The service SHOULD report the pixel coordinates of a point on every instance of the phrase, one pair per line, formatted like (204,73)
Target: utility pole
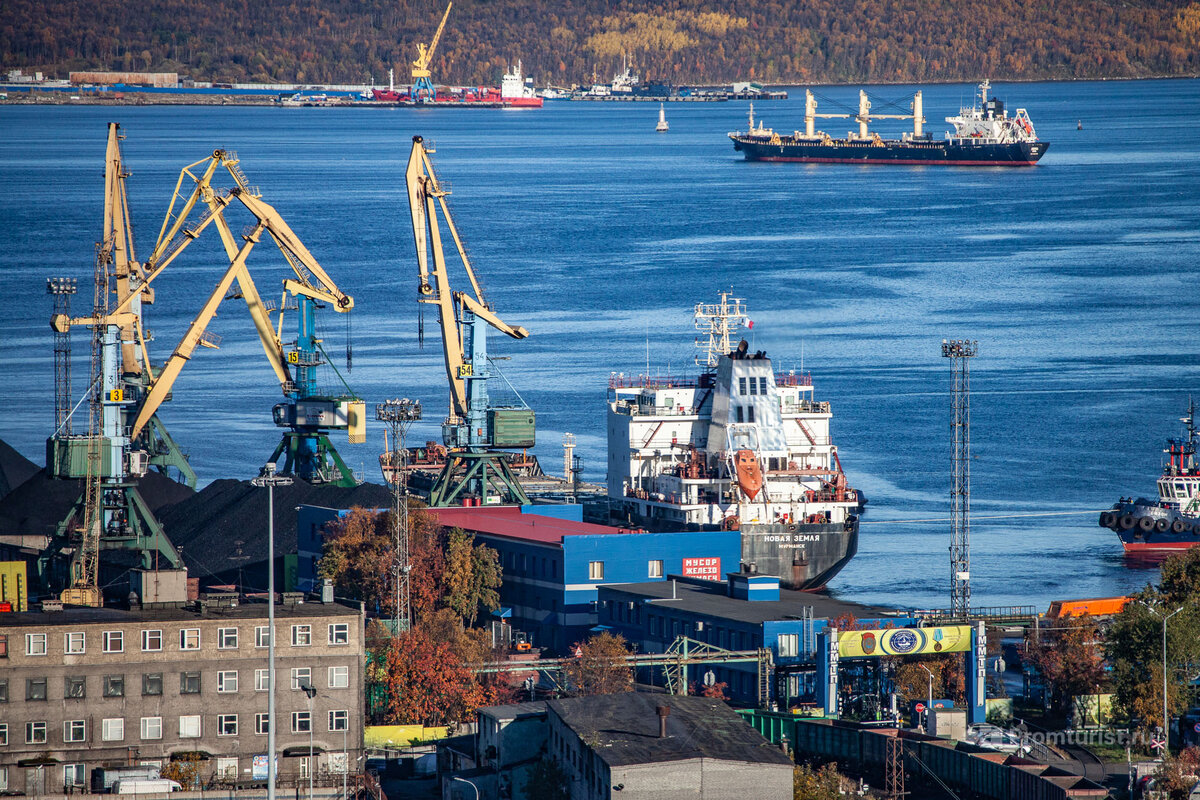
(399,415)
(269,479)
(960,352)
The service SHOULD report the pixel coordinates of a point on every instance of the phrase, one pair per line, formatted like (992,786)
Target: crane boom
(425,54)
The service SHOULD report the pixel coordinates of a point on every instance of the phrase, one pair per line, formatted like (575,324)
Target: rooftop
(622,729)
(709,598)
(535,708)
(190,612)
(508,521)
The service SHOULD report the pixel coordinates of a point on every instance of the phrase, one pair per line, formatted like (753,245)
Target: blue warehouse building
(745,612)
(554,566)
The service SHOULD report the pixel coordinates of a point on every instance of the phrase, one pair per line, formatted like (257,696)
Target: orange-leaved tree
(599,667)
(428,682)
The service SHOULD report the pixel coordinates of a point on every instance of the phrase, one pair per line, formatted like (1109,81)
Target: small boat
(662,126)
(1172,522)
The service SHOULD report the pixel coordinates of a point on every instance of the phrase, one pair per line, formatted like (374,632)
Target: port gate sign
(707,568)
(905,641)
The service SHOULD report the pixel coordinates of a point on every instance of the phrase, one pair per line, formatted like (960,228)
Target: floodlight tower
(960,351)
(61,290)
(399,415)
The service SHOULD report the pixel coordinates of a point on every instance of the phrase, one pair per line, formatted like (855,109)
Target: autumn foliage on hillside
(679,41)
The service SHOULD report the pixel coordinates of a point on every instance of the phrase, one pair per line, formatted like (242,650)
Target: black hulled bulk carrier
(983,135)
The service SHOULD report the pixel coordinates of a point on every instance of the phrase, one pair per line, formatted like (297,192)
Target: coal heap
(223,528)
(41,502)
(15,469)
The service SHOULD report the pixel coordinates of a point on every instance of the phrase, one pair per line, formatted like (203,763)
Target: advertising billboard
(905,641)
(707,568)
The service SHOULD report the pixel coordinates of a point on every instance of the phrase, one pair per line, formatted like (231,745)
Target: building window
(74,643)
(74,686)
(151,641)
(762,385)
(262,679)
(35,644)
(301,722)
(595,570)
(189,727)
(35,733)
(654,569)
(3,690)
(741,415)
(112,730)
(3,733)
(339,720)
(339,633)
(301,635)
(750,413)
(304,767)
(753,385)
(4,779)
(73,730)
(339,677)
(114,641)
(741,385)
(35,689)
(262,636)
(301,676)
(227,638)
(788,645)
(152,683)
(73,775)
(114,685)
(151,727)
(262,724)
(227,767)
(189,638)
(227,725)
(227,682)
(189,683)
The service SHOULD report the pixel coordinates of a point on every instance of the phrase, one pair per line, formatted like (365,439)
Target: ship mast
(718,322)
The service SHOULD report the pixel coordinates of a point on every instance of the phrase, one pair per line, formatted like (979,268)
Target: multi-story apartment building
(82,689)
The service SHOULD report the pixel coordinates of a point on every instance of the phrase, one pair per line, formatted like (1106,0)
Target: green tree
(472,576)
(1133,644)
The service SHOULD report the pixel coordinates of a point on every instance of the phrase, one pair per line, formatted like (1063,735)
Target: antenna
(960,351)
(718,322)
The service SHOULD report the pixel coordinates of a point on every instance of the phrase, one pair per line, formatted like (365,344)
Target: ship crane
(863,117)
(422,86)
(474,427)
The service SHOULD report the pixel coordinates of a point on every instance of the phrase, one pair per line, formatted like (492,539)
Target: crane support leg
(483,474)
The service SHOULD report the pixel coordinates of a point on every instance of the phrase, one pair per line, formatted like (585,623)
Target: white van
(145,786)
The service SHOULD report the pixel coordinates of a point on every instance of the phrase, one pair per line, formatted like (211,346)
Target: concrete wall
(707,779)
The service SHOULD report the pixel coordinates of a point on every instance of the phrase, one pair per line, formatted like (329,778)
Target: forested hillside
(347,41)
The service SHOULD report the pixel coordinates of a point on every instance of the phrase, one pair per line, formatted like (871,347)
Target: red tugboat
(1173,521)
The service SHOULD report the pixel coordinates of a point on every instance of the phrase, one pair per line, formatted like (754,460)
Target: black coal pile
(15,469)
(221,530)
(41,502)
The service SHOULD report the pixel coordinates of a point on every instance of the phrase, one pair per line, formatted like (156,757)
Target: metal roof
(508,521)
(622,730)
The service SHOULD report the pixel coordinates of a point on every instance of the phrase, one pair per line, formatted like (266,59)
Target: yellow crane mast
(422,86)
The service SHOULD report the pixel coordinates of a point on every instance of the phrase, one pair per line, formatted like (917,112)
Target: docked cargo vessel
(982,135)
(738,447)
(1173,521)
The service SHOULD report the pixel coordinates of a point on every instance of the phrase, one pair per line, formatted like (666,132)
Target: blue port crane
(476,429)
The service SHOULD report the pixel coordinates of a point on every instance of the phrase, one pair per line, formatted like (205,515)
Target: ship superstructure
(739,447)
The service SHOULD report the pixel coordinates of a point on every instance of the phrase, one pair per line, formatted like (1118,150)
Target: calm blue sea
(1077,277)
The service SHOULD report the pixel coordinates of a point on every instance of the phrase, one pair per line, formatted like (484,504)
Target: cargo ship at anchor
(1172,522)
(983,135)
(739,447)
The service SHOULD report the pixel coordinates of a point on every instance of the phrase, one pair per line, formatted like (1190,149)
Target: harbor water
(1077,277)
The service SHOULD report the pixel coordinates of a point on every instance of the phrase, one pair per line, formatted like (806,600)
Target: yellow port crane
(422,86)
(474,427)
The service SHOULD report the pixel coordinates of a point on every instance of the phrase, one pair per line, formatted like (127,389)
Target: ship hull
(1016,154)
(1145,528)
(805,556)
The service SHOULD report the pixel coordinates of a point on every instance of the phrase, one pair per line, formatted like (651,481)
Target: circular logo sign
(903,641)
(920,707)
